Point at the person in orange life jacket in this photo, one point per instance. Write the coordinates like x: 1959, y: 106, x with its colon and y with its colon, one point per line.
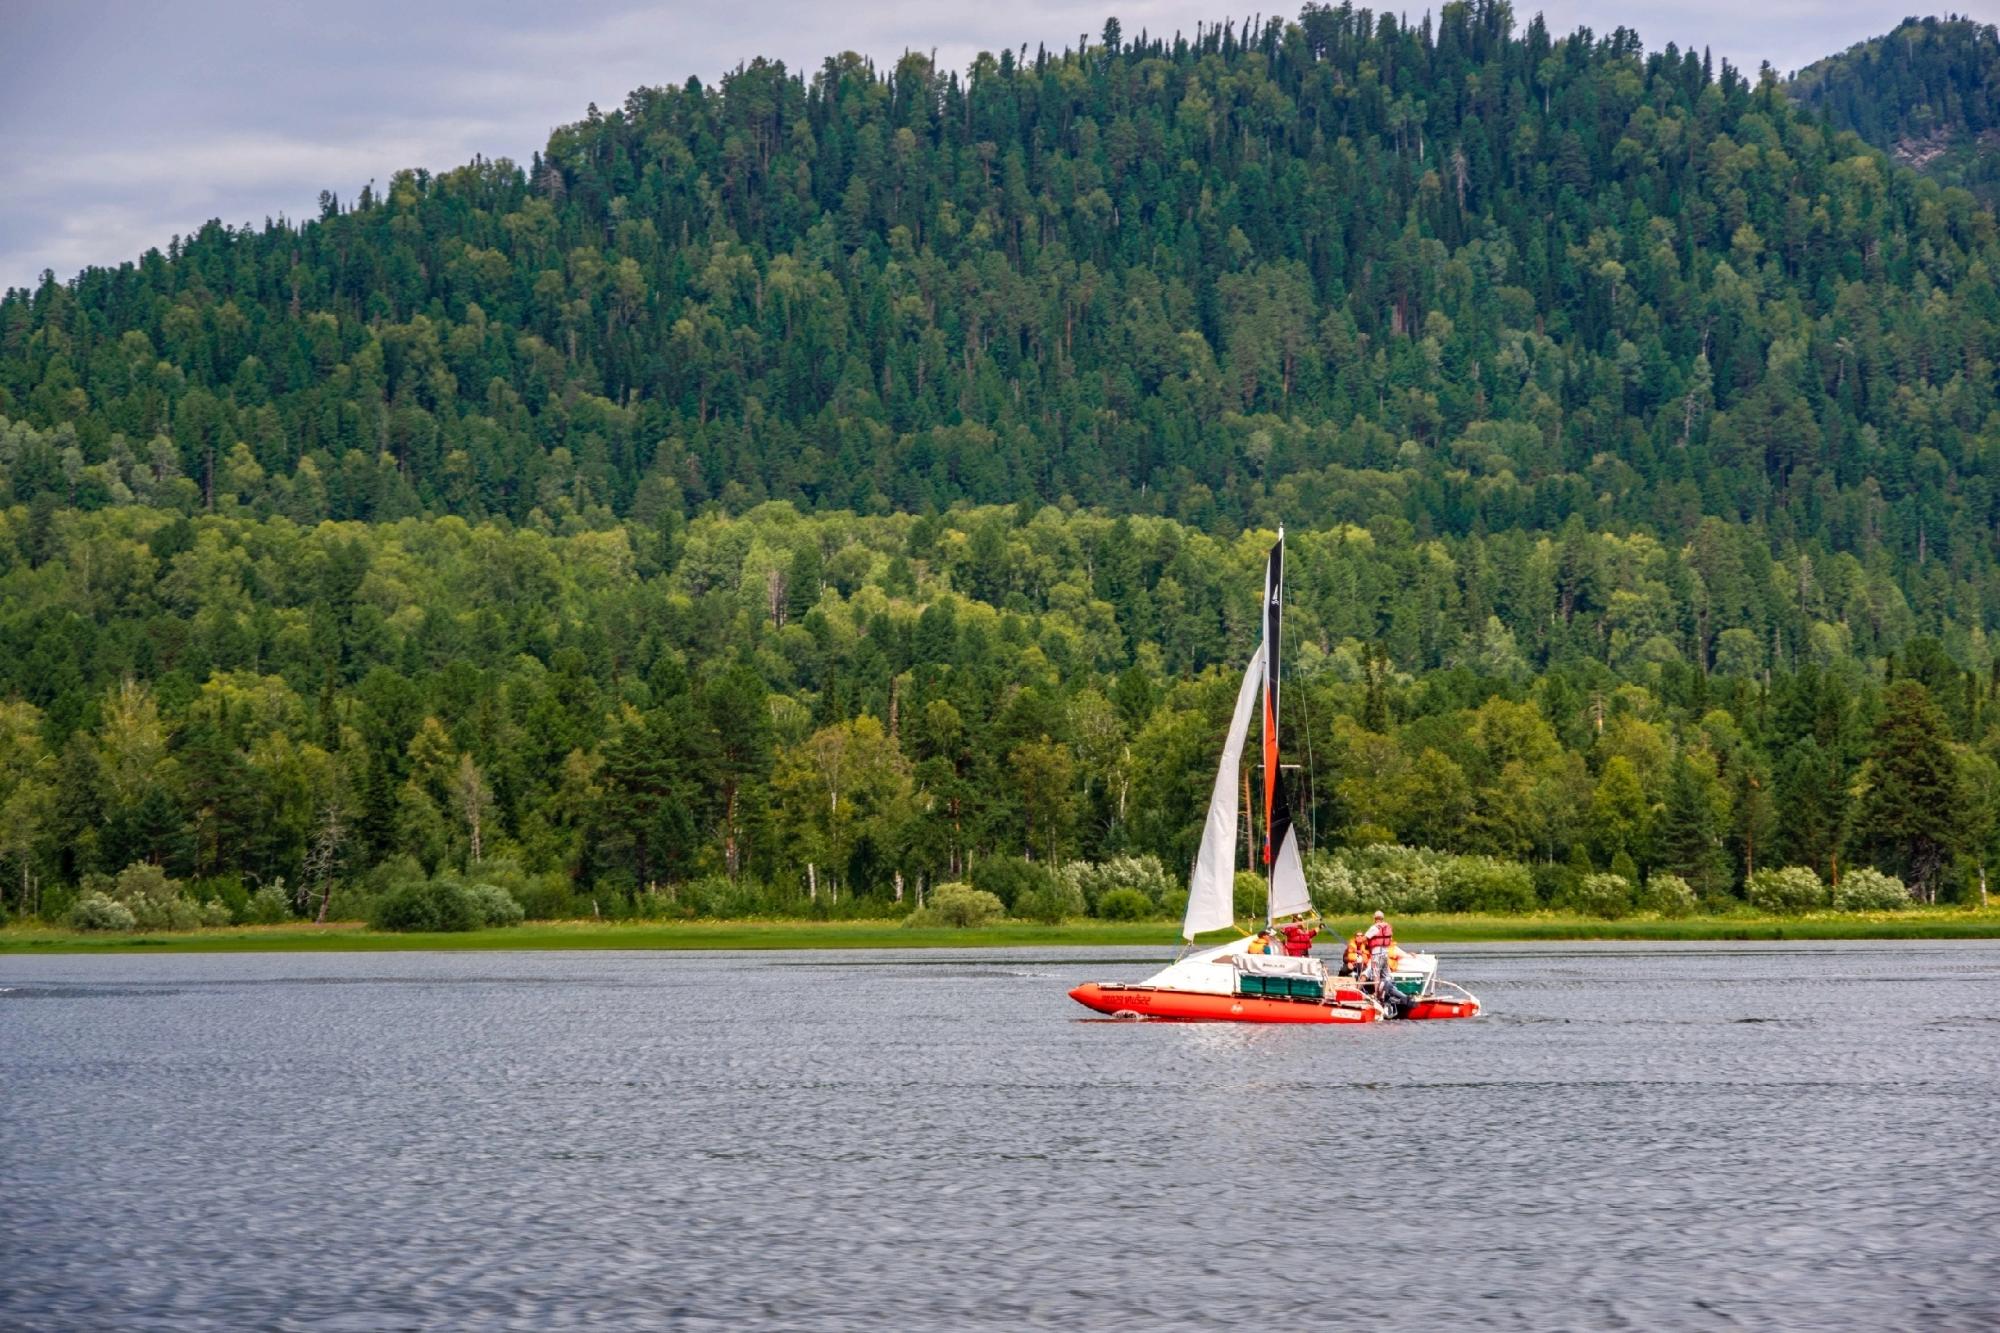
x: 1354, y: 959
x: 1379, y: 938
x: 1261, y: 943
x: 1299, y: 939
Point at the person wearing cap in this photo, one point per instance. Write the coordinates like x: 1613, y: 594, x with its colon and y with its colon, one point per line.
x: 1378, y: 939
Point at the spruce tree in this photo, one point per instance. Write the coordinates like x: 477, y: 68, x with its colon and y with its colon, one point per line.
x: 1689, y: 836
x: 1912, y: 813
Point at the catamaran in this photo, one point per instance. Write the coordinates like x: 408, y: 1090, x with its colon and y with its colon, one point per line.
x: 1230, y: 982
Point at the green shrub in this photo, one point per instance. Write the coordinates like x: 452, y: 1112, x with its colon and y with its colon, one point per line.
x: 95, y: 910
x: 153, y: 899
x: 426, y: 904
x: 1336, y: 889
x: 1143, y: 874
x: 57, y: 899
x: 1395, y: 879
x: 216, y: 913
x: 496, y: 906
x: 1793, y: 889
x: 1052, y: 903
x: 269, y: 905
x: 1669, y: 895
x: 1485, y: 884
x: 164, y: 913
x: 957, y: 905
x: 1124, y: 905
x: 1607, y: 896
x: 1009, y: 878
x: 1553, y: 881
x: 548, y: 898
x: 225, y: 889
x: 1869, y: 890
x: 719, y: 895
x: 1249, y: 894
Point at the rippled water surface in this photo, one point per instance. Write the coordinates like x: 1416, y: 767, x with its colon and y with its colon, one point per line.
x: 1637, y: 1136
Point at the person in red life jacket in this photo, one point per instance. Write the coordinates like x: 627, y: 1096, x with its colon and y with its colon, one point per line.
x: 1378, y: 940
x: 1299, y: 939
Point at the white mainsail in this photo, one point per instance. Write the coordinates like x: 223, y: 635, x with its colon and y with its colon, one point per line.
x: 1212, y: 887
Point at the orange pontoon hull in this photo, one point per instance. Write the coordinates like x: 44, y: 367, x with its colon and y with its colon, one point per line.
x: 1434, y: 1007
x: 1193, y: 1006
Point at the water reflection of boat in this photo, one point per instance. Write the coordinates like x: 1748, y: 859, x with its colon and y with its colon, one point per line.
x: 1233, y: 982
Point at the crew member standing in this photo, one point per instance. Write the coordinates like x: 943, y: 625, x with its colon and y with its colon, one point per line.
x: 1299, y: 939
x: 1379, y: 938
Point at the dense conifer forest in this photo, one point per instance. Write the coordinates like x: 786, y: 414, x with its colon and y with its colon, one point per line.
x: 1928, y: 92
x: 797, y: 492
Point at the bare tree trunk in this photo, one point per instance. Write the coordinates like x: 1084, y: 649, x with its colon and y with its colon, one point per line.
x: 325, y: 855
x: 812, y: 882
x: 731, y: 857
x: 899, y: 886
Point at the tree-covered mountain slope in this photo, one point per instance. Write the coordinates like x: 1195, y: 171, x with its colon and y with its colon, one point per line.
x: 1476, y: 277
x: 1928, y: 93
x: 790, y: 493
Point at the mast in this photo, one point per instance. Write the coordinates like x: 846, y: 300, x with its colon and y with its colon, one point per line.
x: 1276, y: 818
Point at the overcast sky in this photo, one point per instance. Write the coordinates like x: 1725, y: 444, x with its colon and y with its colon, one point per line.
x: 129, y: 121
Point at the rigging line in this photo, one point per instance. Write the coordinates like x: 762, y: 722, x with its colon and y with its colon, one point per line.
x: 1312, y: 774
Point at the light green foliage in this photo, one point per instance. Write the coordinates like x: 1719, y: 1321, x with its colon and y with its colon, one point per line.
x: 1792, y: 889
x: 957, y: 905
x: 1143, y: 875
x: 1250, y: 893
x: 1607, y: 896
x: 95, y: 910
x: 1668, y: 895
x: 1867, y: 889
x: 155, y: 900
x: 268, y: 906
x: 1056, y: 899
x: 493, y: 904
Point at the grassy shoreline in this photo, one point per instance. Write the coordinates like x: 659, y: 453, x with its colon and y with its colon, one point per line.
x: 1918, y: 924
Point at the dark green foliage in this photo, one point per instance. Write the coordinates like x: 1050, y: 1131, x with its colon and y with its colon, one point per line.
x: 1452, y: 274
x: 1928, y: 92
x: 1010, y: 879
x: 427, y: 904
x: 1124, y: 905
x: 1913, y: 813
x: 786, y: 494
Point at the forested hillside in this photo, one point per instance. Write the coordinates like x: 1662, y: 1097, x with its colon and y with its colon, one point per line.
x: 797, y: 490
x: 1928, y: 92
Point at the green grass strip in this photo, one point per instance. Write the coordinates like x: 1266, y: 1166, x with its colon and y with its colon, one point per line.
x: 1920, y: 924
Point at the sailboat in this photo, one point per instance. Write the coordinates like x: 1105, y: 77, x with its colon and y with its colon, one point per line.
x: 1229, y: 982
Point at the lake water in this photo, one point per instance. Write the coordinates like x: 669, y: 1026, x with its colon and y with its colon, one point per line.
x: 1637, y: 1136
